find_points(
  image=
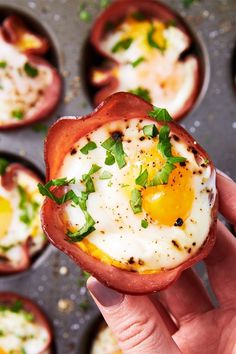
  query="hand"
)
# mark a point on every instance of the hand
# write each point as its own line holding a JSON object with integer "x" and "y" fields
{"x": 182, "y": 318}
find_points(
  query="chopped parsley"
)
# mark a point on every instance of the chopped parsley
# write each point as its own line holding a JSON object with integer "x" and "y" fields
{"x": 144, "y": 223}
{"x": 30, "y": 70}
{"x": 87, "y": 179}
{"x": 3, "y": 165}
{"x": 142, "y": 92}
{"x": 138, "y": 61}
{"x": 142, "y": 179}
{"x": 160, "y": 115}
{"x": 114, "y": 149}
{"x": 104, "y": 3}
{"x": 29, "y": 208}
{"x": 136, "y": 201}
{"x": 151, "y": 40}
{"x": 3, "y": 64}
{"x": 188, "y": 3}
{"x": 124, "y": 44}
{"x": 84, "y": 231}
{"x": 150, "y": 131}
{"x": 105, "y": 175}
{"x": 91, "y": 145}
{"x": 162, "y": 176}
{"x": 17, "y": 114}
{"x": 17, "y": 306}
{"x": 70, "y": 195}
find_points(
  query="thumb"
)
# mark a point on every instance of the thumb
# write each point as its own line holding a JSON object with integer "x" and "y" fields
{"x": 134, "y": 321}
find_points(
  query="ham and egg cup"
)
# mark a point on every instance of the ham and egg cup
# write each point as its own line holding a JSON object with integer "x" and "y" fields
{"x": 24, "y": 328}
{"x": 131, "y": 196}
{"x": 30, "y": 87}
{"x": 104, "y": 341}
{"x": 145, "y": 48}
{"x": 21, "y": 235}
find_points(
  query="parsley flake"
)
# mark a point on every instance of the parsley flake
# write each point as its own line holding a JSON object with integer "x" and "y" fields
{"x": 3, "y": 165}
{"x": 70, "y": 195}
{"x": 144, "y": 223}
{"x": 142, "y": 179}
{"x": 151, "y": 40}
{"x": 3, "y": 64}
{"x": 124, "y": 44}
{"x": 160, "y": 115}
{"x": 150, "y": 131}
{"x": 136, "y": 201}
{"x": 17, "y": 114}
{"x": 138, "y": 61}
{"x": 142, "y": 92}
{"x": 105, "y": 175}
{"x": 30, "y": 70}
{"x": 115, "y": 152}
{"x": 91, "y": 145}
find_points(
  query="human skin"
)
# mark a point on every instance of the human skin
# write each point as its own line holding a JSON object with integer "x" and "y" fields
{"x": 182, "y": 318}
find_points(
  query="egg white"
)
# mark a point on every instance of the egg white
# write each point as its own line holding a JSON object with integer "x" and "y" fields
{"x": 18, "y": 231}
{"x": 19, "y": 332}
{"x": 18, "y": 90}
{"x": 158, "y": 69}
{"x": 118, "y": 230}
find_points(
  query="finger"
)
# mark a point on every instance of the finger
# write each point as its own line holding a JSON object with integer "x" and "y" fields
{"x": 221, "y": 266}
{"x": 187, "y": 297}
{"x": 227, "y": 197}
{"x": 134, "y": 321}
{"x": 166, "y": 317}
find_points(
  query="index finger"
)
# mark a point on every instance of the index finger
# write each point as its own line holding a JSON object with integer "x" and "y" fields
{"x": 227, "y": 197}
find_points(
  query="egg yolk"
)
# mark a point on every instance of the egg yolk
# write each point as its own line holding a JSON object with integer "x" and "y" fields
{"x": 2, "y": 351}
{"x": 5, "y": 215}
{"x": 140, "y": 29}
{"x": 28, "y": 41}
{"x": 165, "y": 203}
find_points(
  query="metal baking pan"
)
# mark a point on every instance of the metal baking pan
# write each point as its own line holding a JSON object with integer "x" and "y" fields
{"x": 54, "y": 282}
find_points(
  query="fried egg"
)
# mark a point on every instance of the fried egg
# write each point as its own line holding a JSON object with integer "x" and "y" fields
{"x": 19, "y": 219}
{"x": 20, "y": 333}
{"x": 22, "y": 84}
{"x": 105, "y": 342}
{"x": 175, "y": 218}
{"x": 150, "y": 64}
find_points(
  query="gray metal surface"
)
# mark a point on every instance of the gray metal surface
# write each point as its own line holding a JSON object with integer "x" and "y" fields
{"x": 55, "y": 284}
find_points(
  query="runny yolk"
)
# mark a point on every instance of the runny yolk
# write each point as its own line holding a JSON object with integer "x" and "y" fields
{"x": 28, "y": 41}
{"x": 164, "y": 204}
{"x": 2, "y": 351}
{"x": 5, "y": 216}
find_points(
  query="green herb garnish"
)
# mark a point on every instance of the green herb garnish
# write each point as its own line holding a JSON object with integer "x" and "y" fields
{"x": 139, "y": 16}
{"x": 160, "y": 115}
{"x": 17, "y": 306}
{"x": 105, "y": 175}
{"x": 30, "y": 70}
{"x": 17, "y": 114}
{"x": 188, "y": 3}
{"x": 144, "y": 223}
{"x": 3, "y": 64}
{"x": 151, "y": 40}
{"x": 136, "y": 201}
{"x": 70, "y": 195}
{"x": 104, "y": 3}
{"x": 162, "y": 176}
{"x": 115, "y": 149}
{"x": 3, "y": 165}
{"x": 91, "y": 145}
{"x": 142, "y": 92}
{"x": 124, "y": 44}
{"x": 150, "y": 131}
{"x": 110, "y": 159}
{"x": 87, "y": 179}
{"x": 138, "y": 61}
{"x": 85, "y": 230}
{"x": 142, "y": 179}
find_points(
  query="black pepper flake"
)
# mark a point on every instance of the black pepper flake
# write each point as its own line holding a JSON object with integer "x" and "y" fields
{"x": 142, "y": 138}
{"x": 175, "y": 243}
{"x": 179, "y": 222}
{"x": 189, "y": 250}
{"x": 73, "y": 152}
{"x": 194, "y": 243}
{"x": 117, "y": 135}
{"x": 182, "y": 164}
{"x": 131, "y": 260}
{"x": 175, "y": 137}
{"x": 140, "y": 262}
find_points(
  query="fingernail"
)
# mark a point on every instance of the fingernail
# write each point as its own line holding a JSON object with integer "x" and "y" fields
{"x": 223, "y": 174}
{"x": 105, "y": 296}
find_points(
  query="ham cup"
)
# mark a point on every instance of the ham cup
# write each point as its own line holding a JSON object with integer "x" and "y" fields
{"x": 131, "y": 196}
{"x": 24, "y": 328}
{"x": 145, "y": 48}
{"x": 30, "y": 85}
{"x": 21, "y": 235}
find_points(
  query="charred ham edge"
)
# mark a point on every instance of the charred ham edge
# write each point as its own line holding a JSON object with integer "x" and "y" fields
{"x": 113, "y": 14}
{"x": 9, "y": 181}
{"x": 60, "y": 140}
{"x": 8, "y": 299}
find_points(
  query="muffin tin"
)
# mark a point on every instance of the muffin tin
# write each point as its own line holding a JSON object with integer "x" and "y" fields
{"x": 54, "y": 282}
